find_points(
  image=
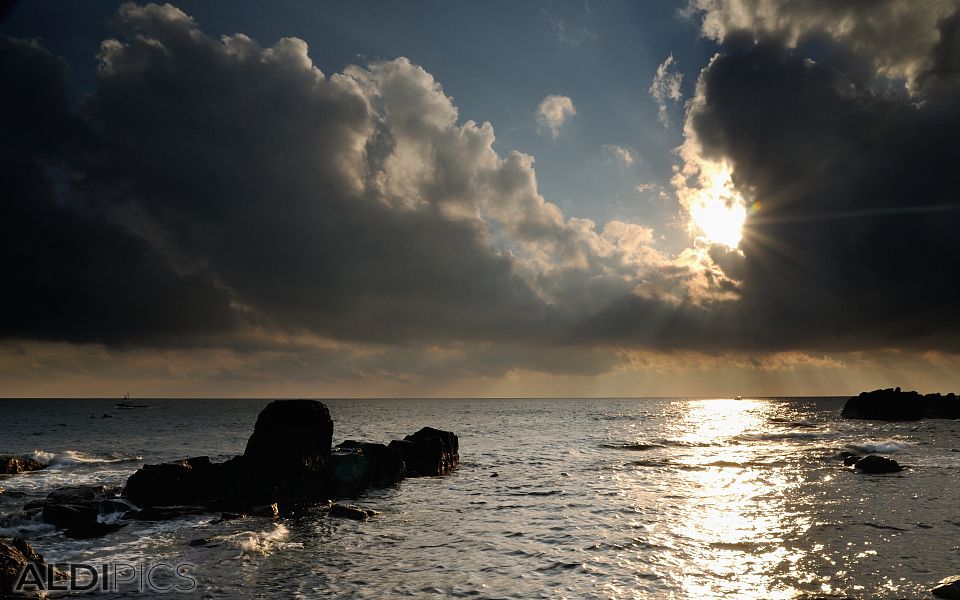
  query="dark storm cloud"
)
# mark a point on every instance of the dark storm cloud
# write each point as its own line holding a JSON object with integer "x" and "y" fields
{"x": 254, "y": 164}
{"x": 69, "y": 274}
{"x": 217, "y": 192}
{"x": 211, "y": 184}
{"x": 854, "y": 241}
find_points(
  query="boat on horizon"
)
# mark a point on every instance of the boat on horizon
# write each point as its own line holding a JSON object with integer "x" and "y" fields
{"x": 126, "y": 403}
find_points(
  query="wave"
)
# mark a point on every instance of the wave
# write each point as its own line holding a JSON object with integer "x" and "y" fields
{"x": 887, "y": 446}
{"x": 634, "y": 447}
{"x": 261, "y": 542}
{"x": 23, "y": 525}
{"x": 785, "y": 436}
{"x": 75, "y": 457}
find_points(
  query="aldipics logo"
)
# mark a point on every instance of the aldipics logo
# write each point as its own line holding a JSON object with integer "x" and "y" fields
{"x": 159, "y": 577}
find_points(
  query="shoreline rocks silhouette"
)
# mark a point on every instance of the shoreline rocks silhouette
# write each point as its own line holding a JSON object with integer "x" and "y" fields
{"x": 288, "y": 462}
{"x": 892, "y": 404}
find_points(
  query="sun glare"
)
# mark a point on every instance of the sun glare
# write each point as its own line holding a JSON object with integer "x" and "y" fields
{"x": 717, "y": 210}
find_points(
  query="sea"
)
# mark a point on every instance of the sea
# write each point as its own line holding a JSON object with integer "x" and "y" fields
{"x": 554, "y": 498}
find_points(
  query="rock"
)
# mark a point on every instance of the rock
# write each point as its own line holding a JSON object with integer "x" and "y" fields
{"x": 947, "y": 588}
{"x": 351, "y": 511}
{"x": 77, "y": 510}
{"x": 357, "y": 465}
{"x": 199, "y": 542}
{"x": 14, "y": 465}
{"x": 164, "y": 513}
{"x": 291, "y": 437}
{"x": 90, "y": 530}
{"x": 429, "y": 452}
{"x": 77, "y": 494}
{"x": 874, "y": 464}
{"x": 896, "y": 405}
{"x": 15, "y": 554}
{"x": 288, "y": 464}
{"x": 184, "y": 482}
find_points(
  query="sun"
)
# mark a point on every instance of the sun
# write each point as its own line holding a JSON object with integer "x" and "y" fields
{"x": 717, "y": 210}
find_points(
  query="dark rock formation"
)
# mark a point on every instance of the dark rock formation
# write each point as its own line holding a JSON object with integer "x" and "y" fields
{"x": 14, "y": 465}
{"x": 896, "y": 405}
{"x": 184, "y": 482}
{"x": 77, "y": 510}
{"x": 429, "y": 452}
{"x": 365, "y": 464}
{"x": 874, "y": 464}
{"x": 288, "y": 462}
{"x": 14, "y": 556}
{"x": 947, "y": 588}
{"x": 291, "y": 437}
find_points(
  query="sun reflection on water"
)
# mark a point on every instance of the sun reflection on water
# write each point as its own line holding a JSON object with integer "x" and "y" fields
{"x": 734, "y": 514}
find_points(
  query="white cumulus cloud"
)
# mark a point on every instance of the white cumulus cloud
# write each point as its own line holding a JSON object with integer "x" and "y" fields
{"x": 553, "y": 112}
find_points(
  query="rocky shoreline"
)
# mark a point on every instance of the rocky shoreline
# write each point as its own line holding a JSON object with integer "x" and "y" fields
{"x": 892, "y": 404}
{"x": 288, "y": 464}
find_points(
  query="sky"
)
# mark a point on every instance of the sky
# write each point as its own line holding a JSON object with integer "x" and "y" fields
{"x": 600, "y": 198}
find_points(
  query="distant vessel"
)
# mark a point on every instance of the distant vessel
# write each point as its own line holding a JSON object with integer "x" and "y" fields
{"x": 739, "y": 397}
{"x": 126, "y": 403}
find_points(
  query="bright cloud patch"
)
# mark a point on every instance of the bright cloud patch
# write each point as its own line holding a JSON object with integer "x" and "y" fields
{"x": 553, "y": 112}
{"x": 666, "y": 87}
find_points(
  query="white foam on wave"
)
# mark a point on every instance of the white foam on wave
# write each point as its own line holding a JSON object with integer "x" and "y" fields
{"x": 261, "y": 543}
{"x": 887, "y": 446}
{"x": 75, "y": 457}
{"x": 43, "y": 456}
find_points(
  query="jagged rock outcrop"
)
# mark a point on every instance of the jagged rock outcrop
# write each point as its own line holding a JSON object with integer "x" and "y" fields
{"x": 15, "y": 553}
{"x": 288, "y": 461}
{"x": 896, "y": 405}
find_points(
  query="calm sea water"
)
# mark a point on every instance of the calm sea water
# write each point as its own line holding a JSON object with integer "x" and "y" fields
{"x": 612, "y": 498}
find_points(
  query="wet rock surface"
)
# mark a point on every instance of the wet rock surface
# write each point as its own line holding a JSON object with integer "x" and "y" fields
{"x": 874, "y": 464}
{"x": 947, "y": 588}
{"x": 15, "y": 554}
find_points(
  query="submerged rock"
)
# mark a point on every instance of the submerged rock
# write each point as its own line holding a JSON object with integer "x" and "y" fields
{"x": 947, "y": 588}
{"x": 352, "y": 511}
{"x": 14, "y": 465}
{"x": 874, "y": 464}
{"x": 896, "y": 405}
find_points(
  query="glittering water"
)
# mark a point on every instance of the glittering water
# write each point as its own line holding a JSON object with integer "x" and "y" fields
{"x": 613, "y": 498}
